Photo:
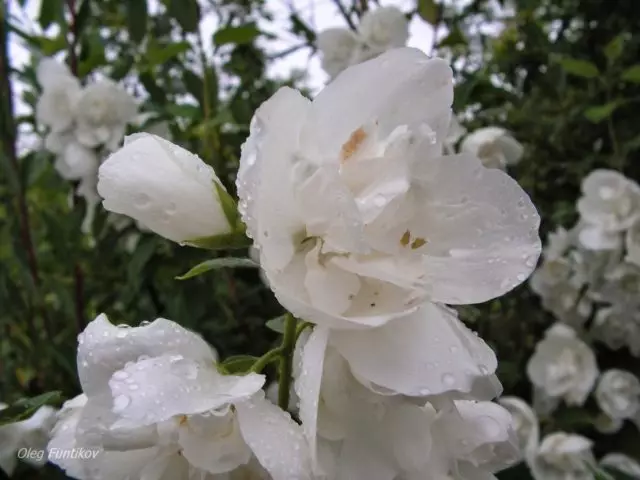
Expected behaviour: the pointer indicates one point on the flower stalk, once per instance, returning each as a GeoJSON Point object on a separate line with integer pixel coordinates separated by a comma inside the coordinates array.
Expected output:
{"type": "Point", "coordinates": [286, 360]}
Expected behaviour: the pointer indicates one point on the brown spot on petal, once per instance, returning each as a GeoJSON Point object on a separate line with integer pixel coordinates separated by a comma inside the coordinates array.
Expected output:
{"type": "Point", "coordinates": [183, 420]}
{"type": "Point", "coordinates": [352, 145]}
{"type": "Point", "coordinates": [405, 239]}
{"type": "Point", "coordinates": [417, 243]}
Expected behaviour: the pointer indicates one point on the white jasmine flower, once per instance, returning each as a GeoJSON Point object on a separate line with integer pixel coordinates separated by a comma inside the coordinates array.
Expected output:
{"type": "Point", "coordinates": [337, 46]}
{"type": "Point", "coordinates": [494, 146]}
{"type": "Point", "coordinates": [102, 112]}
{"type": "Point", "coordinates": [168, 189]}
{"type": "Point", "coordinates": [156, 405]}
{"type": "Point", "coordinates": [56, 106]}
{"type": "Point", "coordinates": [384, 28]}
{"type": "Point", "coordinates": [525, 423]}
{"type": "Point", "coordinates": [558, 243]}
{"type": "Point", "coordinates": [32, 433]}
{"type": "Point", "coordinates": [617, 327]}
{"type": "Point", "coordinates": [356, 433]}
{"type": "Point", "coordinates": [621, 286]}
{"type": "Point", "coordinates": [358, 216]}
{"type": "Point", "coordinates": [621, 463]}
{"type": "Point", "coordinates": [618, 394]}
{"type": "Point", "coordinates": [610, 202]}
{"type": "Point", "coordinates": [561, 456]}
{"type": "Point", "coordinates": [454, 134]}
{"type": "Point", "coordinates": [77, 161]}
{"type": "Point", "coordinates": [563, 367]}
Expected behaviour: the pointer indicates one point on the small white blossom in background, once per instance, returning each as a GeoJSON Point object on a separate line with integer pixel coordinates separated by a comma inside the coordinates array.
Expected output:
{"type": "Point", "coordinates": [31, 434]}
{"type": "Point", "coordinates": [619, 462]}
{"type": "Point", "coordinates": [380, 30]}
{"type": "Point", "coordinates": [618, 396]}
{"type": "Point", "coordinates": [494, 146]}
{"type": "Point", "coordinates": [610, 205]}
{"type": "Point", "coordinates": [562, 367]}
{"type": "Point", "coordinates": [83, 124]}
{"type": "Point", "coordinates": [157, 407]}
{"type": "Point", "coordinates": [179, 200]}
{"type": "Point", "coordinates": [563, 456]}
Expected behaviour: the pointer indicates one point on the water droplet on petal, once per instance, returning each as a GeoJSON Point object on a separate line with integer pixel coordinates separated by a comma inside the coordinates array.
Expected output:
{"type": "Point", "coordinates": [120, 375]}
{"type": "Point", "coordinates": [120, 403]}
{"type": "Point", "coordinates": [448, 379]}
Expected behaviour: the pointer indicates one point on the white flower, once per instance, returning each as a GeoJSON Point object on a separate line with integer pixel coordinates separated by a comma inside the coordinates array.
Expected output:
{"type": "Point", "coordinates": [32, 433]}
{"type": "Point", "coordinates": [355, 433]}
{"type": "Point", "coordinates": [358, 216]}
{"type": "Point", "coordinates": [563, 456]}
{"type": "Point", "coordinates": [632, 242]}
{"type": "Point", "coordinates": [77, 161]}
{"type": "Point", "coordinates": [621, 286]}
{"type": "Point", "coordinates": [621, 463]}
{"type": "Point", "coordinates": [102, 112]}
{"type": "Point", "coordinates": [60, 93]}
{"type": "Point", "coordinates": [156, 405]}
{"type": "Point", "coordinates": [168, 189]}
{"type": "Point", "coordinates": [610, 202]}
{"type": "Point", "coordinates": [593, 237]}
{"type": "Point", "coordinates": [525, 423]}
{"type": "Point", "coordinates": [384, 28]}
{"type": "Point", "coordinates": [562, 366]}
{"type": "Point", "coordinates": [617, 327]}
{"type": "Point", "coordinates": [337, 46]}
{"type": "Point", "coordinates": [618, 394]}
{"type": "Point", "coordinates": [494, 146]}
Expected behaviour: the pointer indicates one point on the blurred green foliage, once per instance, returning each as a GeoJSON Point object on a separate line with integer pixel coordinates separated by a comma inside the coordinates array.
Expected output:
{"type": "Point", "coordinates": [562, 75]}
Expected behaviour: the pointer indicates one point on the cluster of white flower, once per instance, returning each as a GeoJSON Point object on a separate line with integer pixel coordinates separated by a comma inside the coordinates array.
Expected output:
{"type": "Point", "coordinates": [380, 30]}
{"type": "Point", "coordinates": [494, 146]}
{"type": "Point", "coordinates": [590, 275]}
{"type": "Point", "coordinates": [561, 455]}
{"type": "Point", "coordinates": [366, 230]}
{"type": "Point", "coordinates": [83, 123]}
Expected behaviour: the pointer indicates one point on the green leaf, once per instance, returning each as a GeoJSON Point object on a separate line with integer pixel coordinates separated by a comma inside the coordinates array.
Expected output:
{"type": "Point", "coordinates": [615, 47]}
{"type": "Point", "coordinates": [155, 92]}
{"type": "Point", "coordinates": [83, 15]}
{"type": "Point", "coordinates": [216, 264]}
{"type": "Point", "coordinates": [579, 68]}
{"type": "Point", "coordinates": [50, 11]}
{"type": "Point", "coordinates": [228, 204]}
{"type": "Point", "coordinates": [137, 19]}
{"type": "Point", "coordinates": [632, 74]}
{"type": "Point", "coordinates": [158, 54]}
{"type": "Point", "coordinates": [238, 364]}
{"type": "Point", "coordinates": [184, 111]}
{"type": "Point", "coordinates": [186, 13]}
{"type": "Point", "coordinates": [143, 253]}
{"type": "Point", "coordinates": [25, 407]}
{"type": "Point", "coordinates": [429, 10]}
{"type": "Point", "coordinates": [277, 324]}
{"type": "Point", "coordinates": [602, 112]}
{"type": "Point", "coordinates": [221, 242]}
{"type": "Point", "coordinates": [237, 35]}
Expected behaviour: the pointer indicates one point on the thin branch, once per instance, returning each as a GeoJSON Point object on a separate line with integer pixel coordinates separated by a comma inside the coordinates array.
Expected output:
{"type": "Point", "coordinates": [9, 138]}
{"type": "Point", "coordinates": [73, 42]}
{"type": "Point", "coordinates": [345, 14]}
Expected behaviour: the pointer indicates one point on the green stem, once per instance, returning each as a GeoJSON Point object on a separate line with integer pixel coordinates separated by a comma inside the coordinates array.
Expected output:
{"type": "Point", "coordinates": [266, 359]}
{"type": "Point", "coordinates": [302, 326]}
{"type": "Point", "coordinates": [286, 361]}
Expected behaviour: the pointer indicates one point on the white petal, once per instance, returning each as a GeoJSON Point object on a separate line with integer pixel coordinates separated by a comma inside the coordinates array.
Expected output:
{"type": "Point", "coordinates": [165, 187]}
{"type": "Point", "coordinates": [275, 439]}
{"type": "Point", "coordinates": [155, 389]}
{"type": "Point", "coordinates": [49, 69]}
{"type": "Point", "coordinates": [622, 463]}
{"type": "Point", "coordinates": [307, 386]}
{"type": "Point", "coordinates": [410, 435]}
{"type": "Point", "coordinates": [330, 288]}
{"type": "Point", "coordinates": [526, 423]}
{"type": "Point", "coordinates": [213, 443]}
{"type": "Point", "coordinates": [77, 161]}
{"type": "Point", "coordinates": [592, 237]}
{"type": "Point", "coordinates": [400, 87]}
{"type": "Point", "coordinates": [429, 352]}
{"type": "Point", "coordinates": [481, 231]}
{"type": "Point", "coordinates": [265, 189]}
{"type": "Point", "coordinates": [104, 348]}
